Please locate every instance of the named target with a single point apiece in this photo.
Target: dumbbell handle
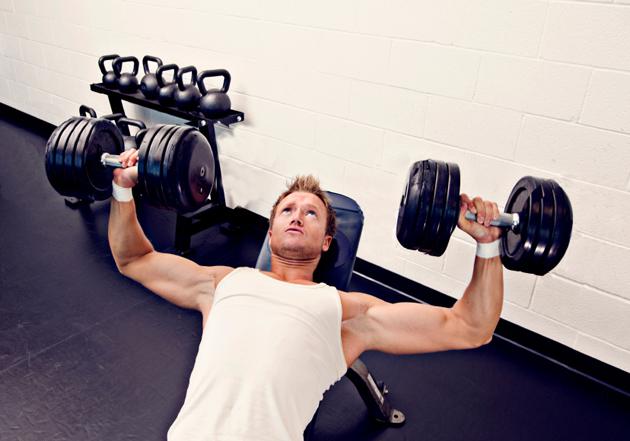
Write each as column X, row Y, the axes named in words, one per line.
column 505, row 220
column 109, row 160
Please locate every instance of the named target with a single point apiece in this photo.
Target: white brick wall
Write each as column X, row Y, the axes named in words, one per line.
column 505, row 88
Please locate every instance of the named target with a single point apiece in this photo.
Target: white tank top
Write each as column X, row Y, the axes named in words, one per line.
column 269, row 351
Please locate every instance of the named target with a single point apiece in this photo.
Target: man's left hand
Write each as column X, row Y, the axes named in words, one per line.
column 486, row 212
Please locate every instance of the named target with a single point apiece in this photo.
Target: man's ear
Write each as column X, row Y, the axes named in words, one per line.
column 327, row 242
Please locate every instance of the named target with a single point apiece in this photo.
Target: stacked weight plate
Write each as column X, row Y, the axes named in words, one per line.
column 176, row 167
column 73, row 154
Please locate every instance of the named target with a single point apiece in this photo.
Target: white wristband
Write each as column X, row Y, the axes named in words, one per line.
column 488, row 250
column 121, row 194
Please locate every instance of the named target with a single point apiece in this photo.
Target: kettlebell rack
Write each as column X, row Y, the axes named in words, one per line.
column 215, row 210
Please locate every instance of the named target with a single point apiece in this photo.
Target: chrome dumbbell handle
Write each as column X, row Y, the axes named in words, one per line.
column 109, row 160
column 505, row 220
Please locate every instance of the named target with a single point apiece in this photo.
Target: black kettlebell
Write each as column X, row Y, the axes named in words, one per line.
column 131, row 141
column 127, row 81
column 214, row 101
column 187, row 96
column 109, row 76
column 149, row 85
column 166, row 94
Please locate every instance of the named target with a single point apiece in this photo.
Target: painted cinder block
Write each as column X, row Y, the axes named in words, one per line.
column 396, row 109
column 602, row 350
column 597, row 263
column 484, row 129
column 433, row 69
column 348, row 140
column 585, row 309
column 589, row 34
column 607, row 103
column 598, row 211
column 532, row 86
column 576, row 152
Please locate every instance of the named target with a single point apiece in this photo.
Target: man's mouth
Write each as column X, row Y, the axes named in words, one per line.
column 294, row 230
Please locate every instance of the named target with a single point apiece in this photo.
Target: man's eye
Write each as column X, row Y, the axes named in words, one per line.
column 312, row 212
column 286, row 209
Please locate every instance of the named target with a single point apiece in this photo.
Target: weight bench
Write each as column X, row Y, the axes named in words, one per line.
column 335, row 269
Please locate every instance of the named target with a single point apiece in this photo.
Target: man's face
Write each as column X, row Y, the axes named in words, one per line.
column 299, row 227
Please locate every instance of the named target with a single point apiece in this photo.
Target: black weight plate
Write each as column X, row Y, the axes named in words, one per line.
column 427, row 187
column 68, row 166
column 154, row 159
column 438, row 205
column 51, row 148
column 169, row 172
column 60, row 156
column 145, row 145
column 153, row 166
column 194, row 163
column 81, row 144
column 162, row 183
column 451, row 211
column 534, row 230
column 408, row 208
column 545, row 229
column 517, row 246
column 104, row 138
column 563, row 216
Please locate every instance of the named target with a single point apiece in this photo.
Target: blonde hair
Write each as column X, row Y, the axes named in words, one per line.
column 309, row 184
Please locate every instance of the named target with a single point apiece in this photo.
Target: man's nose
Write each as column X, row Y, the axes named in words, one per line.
column 297, row 218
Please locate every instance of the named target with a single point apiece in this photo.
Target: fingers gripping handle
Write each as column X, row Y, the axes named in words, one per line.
column 505, row 220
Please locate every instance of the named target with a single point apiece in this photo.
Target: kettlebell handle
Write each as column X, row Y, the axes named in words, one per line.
column 118, row 62
column 160, row 71
column 126, row 122
column 103, row 59
column 145, row 62
column 87, row 110
column 180, row 77
column 227, row 78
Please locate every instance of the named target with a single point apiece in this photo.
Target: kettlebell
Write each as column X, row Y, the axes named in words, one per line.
column 149, row 86
column 109, row 76
column 214, row 101
column 187, row 96
column 131, row 141
column 166, row 94
column 127, row 81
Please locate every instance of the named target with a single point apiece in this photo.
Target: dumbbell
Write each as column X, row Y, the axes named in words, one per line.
column 175, row 163
column 538, row 219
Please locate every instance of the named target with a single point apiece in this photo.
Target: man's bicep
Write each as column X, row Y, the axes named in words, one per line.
column 413, row 328
column 174, row 278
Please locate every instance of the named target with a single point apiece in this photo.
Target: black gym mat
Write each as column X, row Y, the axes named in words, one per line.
column 86, row 354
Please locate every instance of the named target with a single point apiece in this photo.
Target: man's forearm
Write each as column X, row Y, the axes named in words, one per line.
column 126, row 238
column 481, row 304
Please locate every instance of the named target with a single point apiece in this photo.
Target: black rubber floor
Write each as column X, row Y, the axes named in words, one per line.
column 86, row 354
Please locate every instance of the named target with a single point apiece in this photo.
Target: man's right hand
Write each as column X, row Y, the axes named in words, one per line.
column 128, row 175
